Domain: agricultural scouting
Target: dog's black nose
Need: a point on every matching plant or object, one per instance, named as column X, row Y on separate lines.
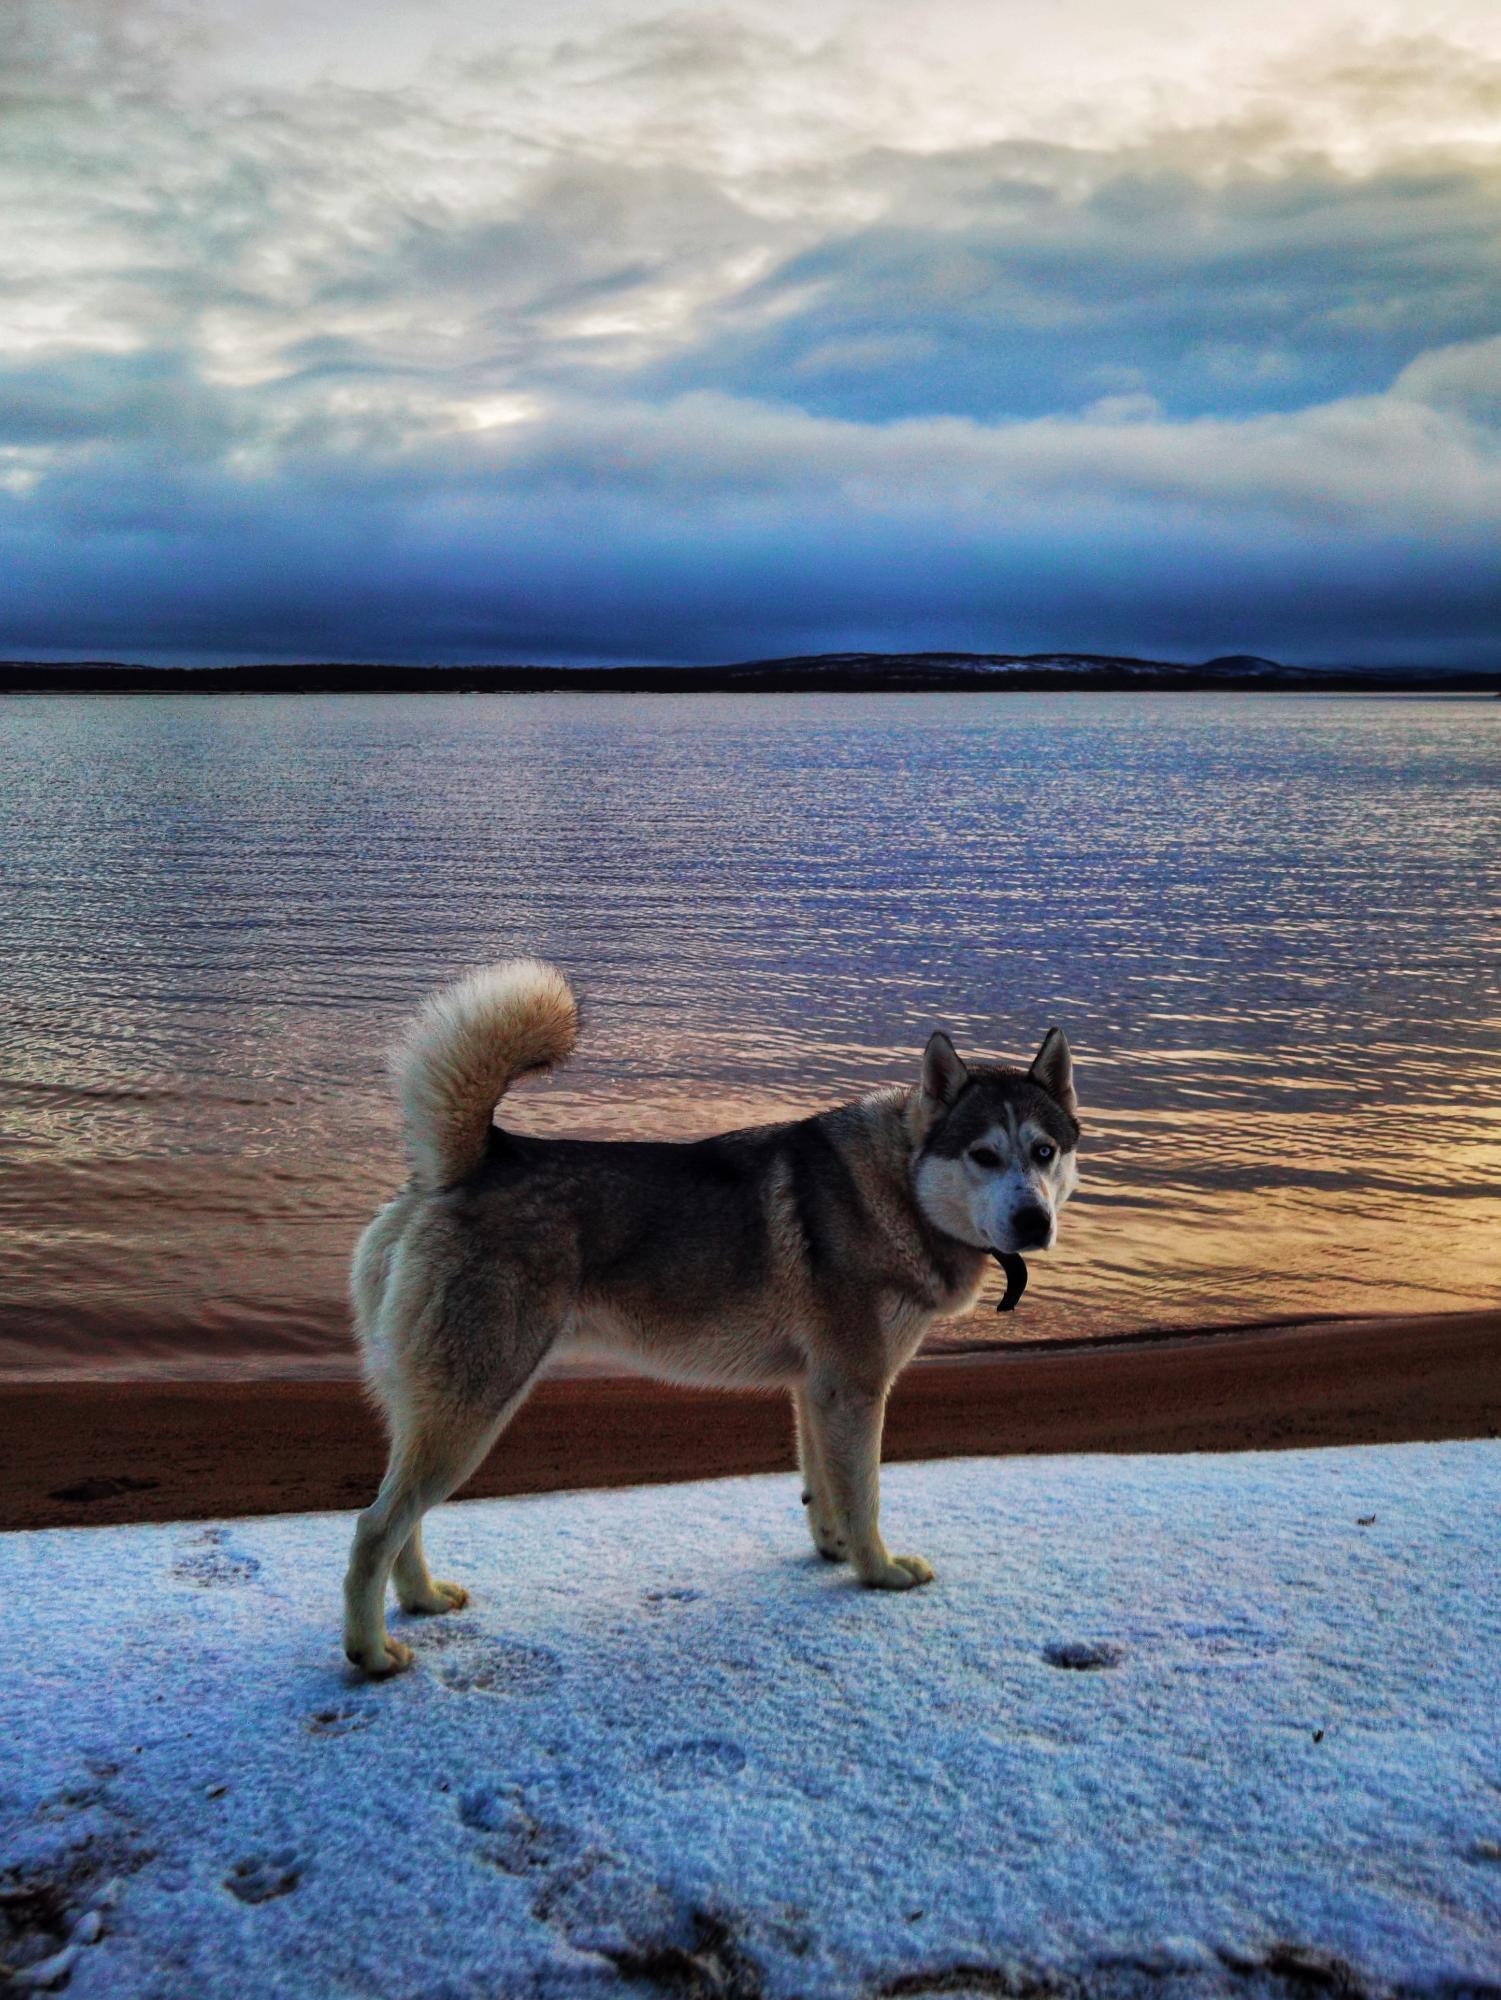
column 1030, row 1228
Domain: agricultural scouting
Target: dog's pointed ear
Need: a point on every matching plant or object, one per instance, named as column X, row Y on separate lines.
column 943, row 1071
column 1053, row 1068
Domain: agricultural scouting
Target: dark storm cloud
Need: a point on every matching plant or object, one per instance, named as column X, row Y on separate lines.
column 710, row 529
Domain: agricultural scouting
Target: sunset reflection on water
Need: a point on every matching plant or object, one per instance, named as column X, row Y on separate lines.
column 1268, row 925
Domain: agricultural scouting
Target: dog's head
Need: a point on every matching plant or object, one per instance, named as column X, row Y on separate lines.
column 996, row 1148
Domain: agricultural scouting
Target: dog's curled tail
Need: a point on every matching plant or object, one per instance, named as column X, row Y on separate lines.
column 469, row 1043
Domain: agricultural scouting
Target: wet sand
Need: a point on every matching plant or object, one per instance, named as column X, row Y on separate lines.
column 90, row 1453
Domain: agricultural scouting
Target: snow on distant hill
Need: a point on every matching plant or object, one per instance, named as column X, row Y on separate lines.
column 1177, row 1727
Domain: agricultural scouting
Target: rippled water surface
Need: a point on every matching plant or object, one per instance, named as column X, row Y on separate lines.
column 1269, row 925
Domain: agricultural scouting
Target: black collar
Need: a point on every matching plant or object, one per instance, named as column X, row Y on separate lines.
column 1016, row 1278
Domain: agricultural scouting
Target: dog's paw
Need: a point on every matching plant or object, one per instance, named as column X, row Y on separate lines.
column 900, row 1573
column 443, row 1597
column 379, row 1662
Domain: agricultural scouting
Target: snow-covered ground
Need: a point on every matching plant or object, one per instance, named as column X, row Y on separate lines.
column 667, row 1750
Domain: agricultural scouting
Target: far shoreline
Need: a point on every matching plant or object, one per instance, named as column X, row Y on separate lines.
column 102, row 1452
column 820, row 673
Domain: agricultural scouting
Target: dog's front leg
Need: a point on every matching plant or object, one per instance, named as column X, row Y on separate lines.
column 825, row 1523
column 846, row 1420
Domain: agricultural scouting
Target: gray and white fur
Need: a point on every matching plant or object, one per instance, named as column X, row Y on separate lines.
column 811, row 1256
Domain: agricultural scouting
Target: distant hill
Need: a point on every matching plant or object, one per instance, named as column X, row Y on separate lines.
column 815, row 673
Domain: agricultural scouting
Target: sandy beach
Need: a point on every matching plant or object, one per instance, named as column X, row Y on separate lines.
column 94, row 1453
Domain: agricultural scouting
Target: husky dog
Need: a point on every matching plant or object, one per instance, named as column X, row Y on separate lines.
column 810, row 1256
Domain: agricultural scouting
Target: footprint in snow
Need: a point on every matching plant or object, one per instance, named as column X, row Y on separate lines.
column 695, row 1760
column 1083, row 1656
column 503, row 1667
column 210, row 1567
column 517, row 1840
column 210, row 1561
column 345, row 1721
column 259, row 1878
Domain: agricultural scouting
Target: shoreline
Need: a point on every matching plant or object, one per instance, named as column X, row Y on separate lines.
column 815, row 673
column 105, row 1452
column 340, row 1363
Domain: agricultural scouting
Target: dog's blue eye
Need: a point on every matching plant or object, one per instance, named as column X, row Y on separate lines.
column 1042, row 1154
column 985, row 1156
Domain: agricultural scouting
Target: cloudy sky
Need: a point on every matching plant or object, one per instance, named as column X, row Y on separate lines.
column 591, row 330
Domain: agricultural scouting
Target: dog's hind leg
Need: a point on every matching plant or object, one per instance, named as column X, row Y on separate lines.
column 825, row 1523
column 847, row 1416
column 438, row 1441
column 429, row 1458
column 416, row 1588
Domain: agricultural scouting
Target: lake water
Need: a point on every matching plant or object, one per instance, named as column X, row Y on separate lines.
column 1268, row 924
